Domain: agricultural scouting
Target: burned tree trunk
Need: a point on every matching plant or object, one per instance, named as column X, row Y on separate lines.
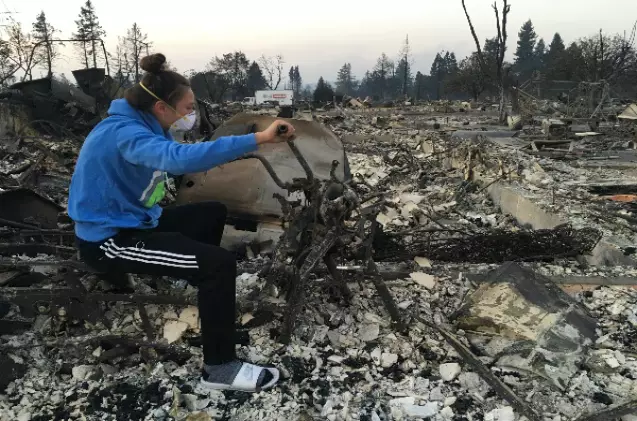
column 501, row 40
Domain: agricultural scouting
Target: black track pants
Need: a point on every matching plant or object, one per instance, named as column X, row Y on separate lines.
column 185, row 245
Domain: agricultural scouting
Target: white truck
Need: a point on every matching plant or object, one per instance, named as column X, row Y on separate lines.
column 280, row 97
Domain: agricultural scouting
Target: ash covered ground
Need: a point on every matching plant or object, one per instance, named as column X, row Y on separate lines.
column 442, row 231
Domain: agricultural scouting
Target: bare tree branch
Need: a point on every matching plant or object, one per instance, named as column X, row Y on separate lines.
column 273, row 68
column 475, row 38
column 500, row 47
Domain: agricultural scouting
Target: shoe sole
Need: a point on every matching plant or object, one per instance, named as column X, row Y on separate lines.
column 223, row 386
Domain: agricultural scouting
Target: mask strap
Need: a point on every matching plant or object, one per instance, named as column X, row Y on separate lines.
column 151, row 93
column 156, row 97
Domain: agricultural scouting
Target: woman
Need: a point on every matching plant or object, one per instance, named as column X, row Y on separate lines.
column 120, row 228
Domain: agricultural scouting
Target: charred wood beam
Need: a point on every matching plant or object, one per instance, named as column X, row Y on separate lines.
column 113, row 340
column 9, row 327
column 495, row 247
column 14, row 224
column 387, row 273
column 372, row 271
column 48, row 294
column 15, row 263
column 146, row 325
column 34, row 249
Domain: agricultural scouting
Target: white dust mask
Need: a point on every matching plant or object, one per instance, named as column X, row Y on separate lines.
column 185, row 123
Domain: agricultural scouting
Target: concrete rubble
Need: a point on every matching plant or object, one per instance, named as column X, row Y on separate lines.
column 504, row 251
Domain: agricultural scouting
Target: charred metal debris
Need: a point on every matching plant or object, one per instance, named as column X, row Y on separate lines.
column 441, row 278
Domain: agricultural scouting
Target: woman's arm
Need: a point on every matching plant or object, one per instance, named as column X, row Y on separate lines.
column 141, row 147
column 157, row 152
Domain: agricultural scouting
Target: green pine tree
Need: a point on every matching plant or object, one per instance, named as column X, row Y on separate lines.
column 345, row 81
column 89, row 32
column 323, row 91
column 524, row 55
column 43, row 34
column 555, row 59
column 256, row 81
column 540, row 55
column 298, row 82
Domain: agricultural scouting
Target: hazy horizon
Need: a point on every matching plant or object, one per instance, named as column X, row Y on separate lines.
column 332, row 34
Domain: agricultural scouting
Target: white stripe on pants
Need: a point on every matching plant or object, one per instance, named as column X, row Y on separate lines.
column 155, row 257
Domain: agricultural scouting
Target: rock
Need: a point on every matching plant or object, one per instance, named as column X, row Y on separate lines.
column 190, row 401
column 621, row 358
column 83, row 372
column 203, row 404
column 57, row 397
column 603, row 361
column 108, row 370
column 450, row 371
column 416, row 411
column 180, row 372
column 612, row 362
column 388, row 359
column 160, row 414
column 327, row 408
column 500, row 414
column 423, row 279
column 376, row 355
column 411, row 197
column 190, row 315
column 470, row 381
column 629, row 418
column 408, row 400
column 436, row 394
column 447, row 413
column 245, row 319
column 174, row 329
column 25, row 415
column 450, row 401
column 383, row 219
column 335, row 338
column 407, row 210
column 423, row 262
column 369, row 332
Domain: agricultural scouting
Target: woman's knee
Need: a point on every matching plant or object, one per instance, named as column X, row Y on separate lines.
column 219, row 261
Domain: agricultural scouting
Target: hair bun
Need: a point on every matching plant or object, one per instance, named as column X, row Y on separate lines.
column 153, row 63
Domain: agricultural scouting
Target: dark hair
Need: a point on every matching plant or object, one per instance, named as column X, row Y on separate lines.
column 168, row 85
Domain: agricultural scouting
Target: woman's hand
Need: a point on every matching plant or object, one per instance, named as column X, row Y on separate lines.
column 279, row 131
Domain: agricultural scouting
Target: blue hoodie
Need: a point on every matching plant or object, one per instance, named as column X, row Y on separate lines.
column 120, row 172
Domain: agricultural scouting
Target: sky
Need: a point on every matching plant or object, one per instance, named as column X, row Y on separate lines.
column 319, row 36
